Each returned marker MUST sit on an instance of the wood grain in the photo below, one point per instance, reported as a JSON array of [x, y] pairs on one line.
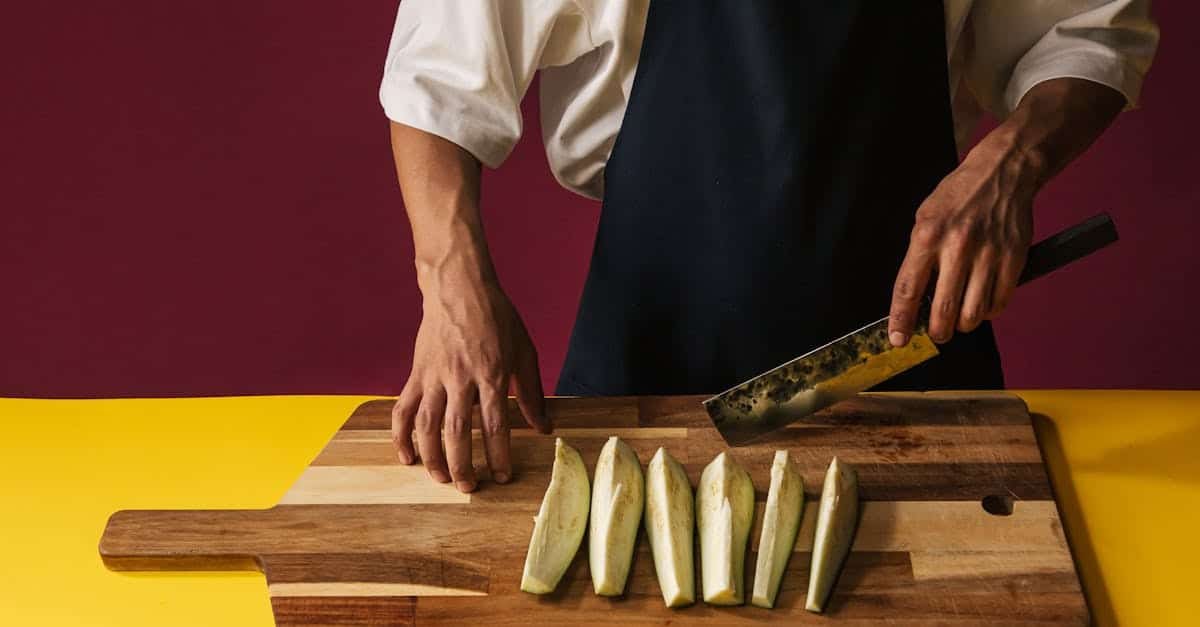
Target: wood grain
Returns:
[[359, 539]]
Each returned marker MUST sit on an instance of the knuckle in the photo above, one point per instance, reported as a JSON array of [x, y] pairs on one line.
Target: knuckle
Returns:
[[493, 374], [456, 388], [405, 397], [485, 360], [458, 370], [412, 385], [401, 440], [494, 425], [426, 422], [994, 243], [976, 228], [959, 236], [492, 386], [404, 408], [927, 232], [906, 288], [457, 425]]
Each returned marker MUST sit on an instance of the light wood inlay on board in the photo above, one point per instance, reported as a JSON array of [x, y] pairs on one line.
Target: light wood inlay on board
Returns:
[[361, 539], [369, 485]]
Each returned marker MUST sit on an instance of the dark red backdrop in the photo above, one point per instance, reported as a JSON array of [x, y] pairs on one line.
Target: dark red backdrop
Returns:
[[198, 199]]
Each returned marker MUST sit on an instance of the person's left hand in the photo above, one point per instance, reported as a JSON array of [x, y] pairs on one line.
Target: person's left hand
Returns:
[[974, 231]]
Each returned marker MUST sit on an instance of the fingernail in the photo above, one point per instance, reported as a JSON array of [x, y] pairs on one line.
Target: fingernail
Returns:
[[897, 338], [501, 477], [439, 476], [405, 458], [465, 486]]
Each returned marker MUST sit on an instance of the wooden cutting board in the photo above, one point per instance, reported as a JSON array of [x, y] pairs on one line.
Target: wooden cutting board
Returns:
[[360, 539]]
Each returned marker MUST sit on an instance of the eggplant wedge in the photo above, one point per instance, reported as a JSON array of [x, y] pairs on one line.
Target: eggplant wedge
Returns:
[[617, 499], [837, 519], [724, 513], [559, 524], [670, 525], [781, 522]]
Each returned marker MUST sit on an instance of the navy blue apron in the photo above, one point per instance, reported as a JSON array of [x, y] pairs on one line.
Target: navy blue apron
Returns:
[[761, 191]]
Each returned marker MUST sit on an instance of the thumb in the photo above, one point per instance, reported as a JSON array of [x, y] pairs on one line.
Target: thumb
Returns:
[[527, 380]]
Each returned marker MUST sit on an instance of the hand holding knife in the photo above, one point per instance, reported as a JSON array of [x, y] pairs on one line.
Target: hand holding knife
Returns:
[[865, 358]]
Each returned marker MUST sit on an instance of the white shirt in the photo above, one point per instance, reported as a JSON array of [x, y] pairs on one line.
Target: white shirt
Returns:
[[459, 68]]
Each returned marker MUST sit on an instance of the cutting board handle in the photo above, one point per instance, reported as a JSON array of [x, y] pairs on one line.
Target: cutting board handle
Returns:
[[1067, 246], [181, 540]]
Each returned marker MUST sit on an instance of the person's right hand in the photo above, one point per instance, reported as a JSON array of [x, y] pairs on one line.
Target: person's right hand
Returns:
[[470, 347]]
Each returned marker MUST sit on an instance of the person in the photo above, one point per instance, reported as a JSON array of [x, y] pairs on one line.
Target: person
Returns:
[[772, 174]]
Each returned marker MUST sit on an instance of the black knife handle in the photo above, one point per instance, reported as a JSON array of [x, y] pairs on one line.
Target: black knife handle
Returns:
[[1066, 246]]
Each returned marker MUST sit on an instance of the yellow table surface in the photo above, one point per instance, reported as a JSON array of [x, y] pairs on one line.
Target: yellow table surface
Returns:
[[1125, 465]]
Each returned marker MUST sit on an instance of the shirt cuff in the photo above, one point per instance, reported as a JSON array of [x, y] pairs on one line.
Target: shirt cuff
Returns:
[[490, 141], [1099, 65]]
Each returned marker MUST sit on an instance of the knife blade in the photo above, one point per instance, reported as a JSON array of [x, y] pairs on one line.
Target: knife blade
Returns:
[[865, 358]]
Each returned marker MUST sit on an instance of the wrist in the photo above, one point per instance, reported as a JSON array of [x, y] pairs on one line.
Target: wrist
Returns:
[[1055, 121], [456, 259], [1016, 147], [453, 271]]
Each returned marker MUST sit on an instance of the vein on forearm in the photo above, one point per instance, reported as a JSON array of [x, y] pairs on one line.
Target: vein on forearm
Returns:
[[1057, 120], [440, 185]]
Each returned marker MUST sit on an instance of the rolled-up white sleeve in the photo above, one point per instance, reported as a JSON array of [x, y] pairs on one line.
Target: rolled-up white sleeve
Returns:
[[1020, 44], [459, 68]]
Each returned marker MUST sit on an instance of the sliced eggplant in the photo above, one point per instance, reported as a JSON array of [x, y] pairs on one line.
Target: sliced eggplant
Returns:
[[781, 521], [837, 519], [670, 525], [559, 524], [617, 500], [724, 513]]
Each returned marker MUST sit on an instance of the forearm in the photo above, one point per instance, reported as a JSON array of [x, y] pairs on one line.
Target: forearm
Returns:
[[1053, 124], [972, 233], [471, 346], [440, 185]]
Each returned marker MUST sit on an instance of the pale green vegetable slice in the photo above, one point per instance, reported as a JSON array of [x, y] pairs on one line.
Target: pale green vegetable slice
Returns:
[[617, 499], [724, 512], [837, 518], [559, 524], [781, 521], [670, 524]]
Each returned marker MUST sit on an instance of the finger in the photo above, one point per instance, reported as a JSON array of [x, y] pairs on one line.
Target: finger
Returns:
[[528, 383], [1007, 275], [429, 433], [910, 283], [404, 414], [977, 300], [493, 412], [953, 265], [456, 430]]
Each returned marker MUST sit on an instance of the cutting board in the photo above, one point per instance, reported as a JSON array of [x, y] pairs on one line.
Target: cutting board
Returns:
[[959, 524]]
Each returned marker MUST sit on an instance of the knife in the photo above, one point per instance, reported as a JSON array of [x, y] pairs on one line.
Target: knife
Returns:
[[865, 358]]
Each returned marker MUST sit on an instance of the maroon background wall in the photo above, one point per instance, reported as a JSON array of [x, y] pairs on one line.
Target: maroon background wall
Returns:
[[197, 198]]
